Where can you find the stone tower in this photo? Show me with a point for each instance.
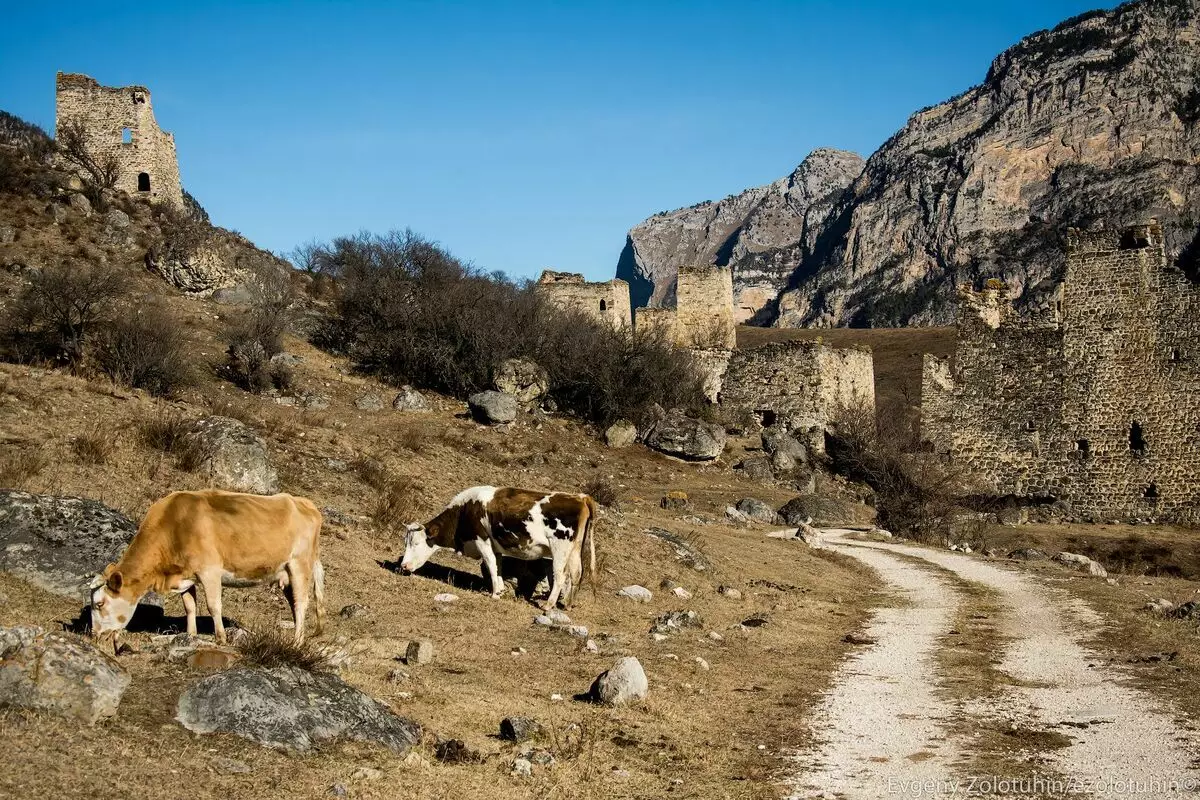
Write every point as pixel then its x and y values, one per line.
pixel 606 301
pixel 120 122
pixel 704 308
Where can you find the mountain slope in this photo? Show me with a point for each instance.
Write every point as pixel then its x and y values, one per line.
pixel 734 231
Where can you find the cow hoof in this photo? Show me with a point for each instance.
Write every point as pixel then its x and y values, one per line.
pixel 497 595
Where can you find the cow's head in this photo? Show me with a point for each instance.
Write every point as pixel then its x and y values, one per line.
pixel 113 601
pixel 417 548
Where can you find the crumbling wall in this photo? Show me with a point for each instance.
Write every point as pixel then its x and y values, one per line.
pixel 801 384
pixel 119 122
pixel 606 301
pixel 655 320
pixel 1099 405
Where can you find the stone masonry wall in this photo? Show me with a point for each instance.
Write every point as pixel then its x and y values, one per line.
pixel 107 113
pixel 1100 405
pixel 704 308
pixel 607 301
pixel 802 385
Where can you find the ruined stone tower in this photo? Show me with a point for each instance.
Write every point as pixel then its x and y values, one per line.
pixel 606 301
pixel 704 308
pixel 120 122
pixel 1099 405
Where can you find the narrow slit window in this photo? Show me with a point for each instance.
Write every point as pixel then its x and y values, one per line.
pixel 1083 447
pixel 1137 439
pixel 126 136
pixel 603 305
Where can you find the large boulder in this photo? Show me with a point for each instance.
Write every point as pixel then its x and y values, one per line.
pixel 493 408
pixel 233 456
pixel 523 379
pixel 621 433
pixel 292 709
pixel 59 543
pixel 778 442
pixel 624 684
pixel 822 512
pixel 1081 563
pixel 58 673
pixel 199 271
pixel 682 436
pixel 758 511
pixel 409 399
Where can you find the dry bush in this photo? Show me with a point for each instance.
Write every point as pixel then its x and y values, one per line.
pixel 145 351
pixel 168 433
pixel 414 436
pixel 915 495
pixel 57 314
pixel 18 466
pixel 96 446
pixel 411 312
pixel 257 336
pixel 396 503
pixel 602 491
pixel 370 471
pixel 267 647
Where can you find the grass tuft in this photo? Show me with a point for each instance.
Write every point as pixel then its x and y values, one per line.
pixel 269 647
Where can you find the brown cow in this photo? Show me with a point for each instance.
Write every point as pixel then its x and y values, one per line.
pixel 216 538
pixel 487 522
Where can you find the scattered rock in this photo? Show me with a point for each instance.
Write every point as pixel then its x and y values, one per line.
pixel 623 684
pixel 455 751
pixel 686 437
pixel 1189 610
pixel 409 399
pixel 290 708
pixel 578 631
pixel 621 433
pixel 58 673
pixel 716 637
pixel 234 457
pixel 730 592
pixel 758 511
pixel 60 543
pixel 523 379
pixel 80 204
pixel 445 597
pixel 366 774
pixel 492 407
pixel 338 790
pixel 639 593
pixel 675 621
pixel 315 402
pixel 681 593
pixel 1028 554
pixel 735 516
pixel 8 234
pixel 821 512
pixel 521 768
pixel 1082 563
pixel 116 218
pixel 675 501
pixel 231 766
pixel 777 441
pixel 420 651
pixel 757 468
pixel 368 402
pixel 859 638
pixel 287 359
pixel 701 663
pixel 519 729
pixel 353 611
pixel 1160 606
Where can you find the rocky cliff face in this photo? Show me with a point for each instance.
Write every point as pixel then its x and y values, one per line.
pixel 742 231
pixel 1092 123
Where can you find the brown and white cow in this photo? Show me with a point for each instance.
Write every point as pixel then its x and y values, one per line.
pixel 215 537
pixel 487 522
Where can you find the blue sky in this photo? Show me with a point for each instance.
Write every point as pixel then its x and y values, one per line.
pixel 520 135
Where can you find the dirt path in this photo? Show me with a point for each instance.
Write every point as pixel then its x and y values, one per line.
pixel 886 729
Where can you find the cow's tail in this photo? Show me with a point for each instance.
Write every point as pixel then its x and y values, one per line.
pixel 589 536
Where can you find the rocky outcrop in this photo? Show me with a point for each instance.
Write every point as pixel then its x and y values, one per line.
pixel 1093 122
pixel 685 437
pixel 199 259
pixel 61 674
pixel 233 456
pixel 59 543
pixel 292 709
pixel 743 230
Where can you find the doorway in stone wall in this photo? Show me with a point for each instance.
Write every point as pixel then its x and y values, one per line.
pixel 143 182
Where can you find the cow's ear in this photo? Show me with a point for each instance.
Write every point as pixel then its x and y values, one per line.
pixel 114 582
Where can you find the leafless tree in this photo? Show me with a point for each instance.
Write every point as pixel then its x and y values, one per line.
pixel 100 173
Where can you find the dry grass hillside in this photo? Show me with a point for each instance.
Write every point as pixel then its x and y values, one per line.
pixel 711 729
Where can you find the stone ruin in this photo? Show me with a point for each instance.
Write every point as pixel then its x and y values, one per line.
pixel 606 301
pixel 1097 405
pixel 119 122
pixel 703 316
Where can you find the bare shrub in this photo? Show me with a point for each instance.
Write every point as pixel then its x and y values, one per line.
pixel 58 312
pixel 96 446
pixel 396 502
pixel 370 471
pixel 100 173
pixel 19 465
pixel 406 309
pixel 413 437
pixel 914 494
pixel 146 350
pixel 169 433
pixel 267 647
pixel 257 336
pixel 602 491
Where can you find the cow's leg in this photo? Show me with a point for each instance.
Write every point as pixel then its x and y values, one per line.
pixel 188 596
pixel 489 559
pixel 574 574
pixel 298 576
pixel 558 557
pixel 212 593
pixel 318 574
